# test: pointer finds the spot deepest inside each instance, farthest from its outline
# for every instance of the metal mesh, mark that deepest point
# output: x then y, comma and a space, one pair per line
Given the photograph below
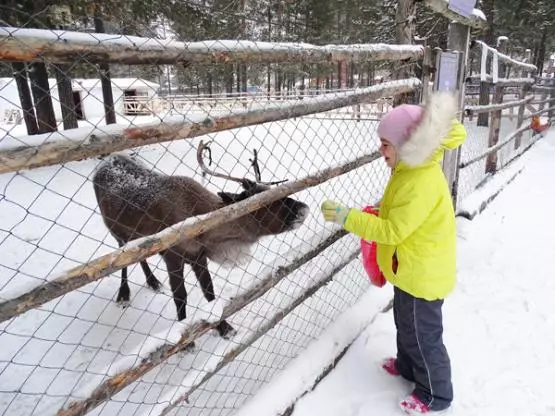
475, 175
50, 221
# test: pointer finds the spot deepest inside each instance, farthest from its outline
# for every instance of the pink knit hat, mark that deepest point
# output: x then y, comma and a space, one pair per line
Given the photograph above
398, 124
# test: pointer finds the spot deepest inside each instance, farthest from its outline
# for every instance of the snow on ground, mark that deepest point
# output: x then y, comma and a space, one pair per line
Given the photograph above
49, 222
499, 322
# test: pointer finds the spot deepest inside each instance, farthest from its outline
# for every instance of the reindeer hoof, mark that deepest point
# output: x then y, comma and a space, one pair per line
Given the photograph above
225, 330
157, 287
123, 297
181, 314
190, 348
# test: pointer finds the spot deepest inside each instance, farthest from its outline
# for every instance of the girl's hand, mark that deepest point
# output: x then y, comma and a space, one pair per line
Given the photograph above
334, 212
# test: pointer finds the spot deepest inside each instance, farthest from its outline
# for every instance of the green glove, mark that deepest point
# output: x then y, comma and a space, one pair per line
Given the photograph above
334, 212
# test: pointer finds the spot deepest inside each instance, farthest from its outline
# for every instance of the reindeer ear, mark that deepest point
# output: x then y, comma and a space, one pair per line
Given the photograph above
248, 184
227, 197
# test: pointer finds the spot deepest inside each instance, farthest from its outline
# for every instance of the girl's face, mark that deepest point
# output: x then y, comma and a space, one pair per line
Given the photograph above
389, 153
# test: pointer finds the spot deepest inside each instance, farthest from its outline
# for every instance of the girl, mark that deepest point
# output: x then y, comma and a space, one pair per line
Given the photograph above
416, 225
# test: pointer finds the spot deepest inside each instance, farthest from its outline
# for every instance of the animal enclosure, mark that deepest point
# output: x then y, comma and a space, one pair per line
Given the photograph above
69, 346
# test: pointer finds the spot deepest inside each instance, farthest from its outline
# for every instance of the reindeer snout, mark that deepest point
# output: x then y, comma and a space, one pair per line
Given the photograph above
301, 212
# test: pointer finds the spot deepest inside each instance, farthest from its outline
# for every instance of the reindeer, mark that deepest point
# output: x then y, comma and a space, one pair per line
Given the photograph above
135, 202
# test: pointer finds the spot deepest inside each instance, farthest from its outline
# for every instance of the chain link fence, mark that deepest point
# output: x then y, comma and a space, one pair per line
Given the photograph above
500, 117
93, 316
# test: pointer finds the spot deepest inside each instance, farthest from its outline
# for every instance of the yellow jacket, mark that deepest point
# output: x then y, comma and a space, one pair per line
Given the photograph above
416, 223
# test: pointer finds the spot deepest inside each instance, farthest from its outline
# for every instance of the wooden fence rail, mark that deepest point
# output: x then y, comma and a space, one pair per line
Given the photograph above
56, 46
63, 147
505, 82
501, 144
507, 60
272, 322
142, 248
477, 109
195, 330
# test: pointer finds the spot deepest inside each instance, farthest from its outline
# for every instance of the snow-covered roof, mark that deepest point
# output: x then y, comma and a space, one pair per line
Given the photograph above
120, 83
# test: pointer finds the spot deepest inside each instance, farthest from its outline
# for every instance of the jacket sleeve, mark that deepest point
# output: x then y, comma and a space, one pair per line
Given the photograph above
457, 135
412, 205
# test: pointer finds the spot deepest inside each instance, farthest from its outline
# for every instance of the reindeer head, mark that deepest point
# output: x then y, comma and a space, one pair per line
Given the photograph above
283, 215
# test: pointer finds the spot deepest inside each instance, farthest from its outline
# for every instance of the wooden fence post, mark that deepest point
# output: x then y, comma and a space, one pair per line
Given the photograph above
491, 163
552, 102
496, 116
524, 90
458, 40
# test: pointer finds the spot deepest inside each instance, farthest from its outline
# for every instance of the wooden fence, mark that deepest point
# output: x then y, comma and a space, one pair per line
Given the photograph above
24, 154
64, 147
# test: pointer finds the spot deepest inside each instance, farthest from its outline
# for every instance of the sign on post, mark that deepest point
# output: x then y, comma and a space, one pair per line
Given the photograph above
447, 76
462, 7
447, 71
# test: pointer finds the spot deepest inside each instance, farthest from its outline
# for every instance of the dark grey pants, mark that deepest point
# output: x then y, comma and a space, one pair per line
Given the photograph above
421, 355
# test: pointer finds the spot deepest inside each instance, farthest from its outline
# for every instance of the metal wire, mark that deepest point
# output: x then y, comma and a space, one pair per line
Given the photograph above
60, 352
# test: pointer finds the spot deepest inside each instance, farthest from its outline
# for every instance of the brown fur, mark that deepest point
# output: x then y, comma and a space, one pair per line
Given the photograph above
136, 202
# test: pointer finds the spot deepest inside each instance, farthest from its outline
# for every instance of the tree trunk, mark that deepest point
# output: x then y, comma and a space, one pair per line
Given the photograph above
41, 96
228, 76
209, 83
405, 18
65, 94
105, 77
269, 80
244, 78
488, 8
541, 53
20, 75
238, 72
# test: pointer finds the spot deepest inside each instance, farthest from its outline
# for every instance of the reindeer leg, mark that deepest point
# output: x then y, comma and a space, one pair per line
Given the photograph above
124, 292
174, 264
200, 267
151, 280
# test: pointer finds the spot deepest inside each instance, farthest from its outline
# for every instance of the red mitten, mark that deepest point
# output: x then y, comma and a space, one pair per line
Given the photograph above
369, 256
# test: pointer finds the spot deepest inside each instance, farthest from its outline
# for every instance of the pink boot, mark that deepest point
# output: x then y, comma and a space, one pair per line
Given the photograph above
412, 405
390, 366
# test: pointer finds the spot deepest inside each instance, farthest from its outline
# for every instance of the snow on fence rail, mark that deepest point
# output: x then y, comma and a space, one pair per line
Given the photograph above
476, 20
505, 58
477, 109
86, 142
57, 291
483, 154
30, 45
505, 82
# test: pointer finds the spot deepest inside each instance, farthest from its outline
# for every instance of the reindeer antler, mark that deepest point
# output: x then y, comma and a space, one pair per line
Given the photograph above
202, 147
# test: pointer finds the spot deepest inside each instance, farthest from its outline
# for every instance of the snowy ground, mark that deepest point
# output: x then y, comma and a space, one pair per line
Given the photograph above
499, 322
49, 222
